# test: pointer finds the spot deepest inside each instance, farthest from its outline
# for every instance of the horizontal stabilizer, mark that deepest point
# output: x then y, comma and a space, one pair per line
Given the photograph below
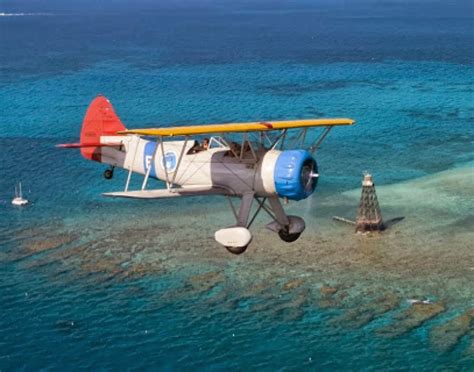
172, 193
84, 145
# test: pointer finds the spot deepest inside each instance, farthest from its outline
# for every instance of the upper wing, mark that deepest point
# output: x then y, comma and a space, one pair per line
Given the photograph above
237, 127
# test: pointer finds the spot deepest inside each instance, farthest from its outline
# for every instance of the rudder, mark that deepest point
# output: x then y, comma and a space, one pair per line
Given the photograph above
100, 120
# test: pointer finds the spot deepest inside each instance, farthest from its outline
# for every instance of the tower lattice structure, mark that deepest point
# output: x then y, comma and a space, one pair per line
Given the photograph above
369, 217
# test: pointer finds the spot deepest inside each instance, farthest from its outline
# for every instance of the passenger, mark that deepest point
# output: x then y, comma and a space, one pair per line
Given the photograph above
198, 147
194, 148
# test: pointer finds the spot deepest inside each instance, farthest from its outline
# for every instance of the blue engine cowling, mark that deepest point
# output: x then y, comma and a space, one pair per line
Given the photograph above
296, 174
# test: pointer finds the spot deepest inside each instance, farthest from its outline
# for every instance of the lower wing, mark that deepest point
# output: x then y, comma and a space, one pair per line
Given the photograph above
171, 193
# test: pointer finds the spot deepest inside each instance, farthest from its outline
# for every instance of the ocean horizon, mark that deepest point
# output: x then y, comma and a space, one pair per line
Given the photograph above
88, 282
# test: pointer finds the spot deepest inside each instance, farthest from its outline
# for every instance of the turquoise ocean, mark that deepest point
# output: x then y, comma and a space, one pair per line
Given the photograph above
100, 284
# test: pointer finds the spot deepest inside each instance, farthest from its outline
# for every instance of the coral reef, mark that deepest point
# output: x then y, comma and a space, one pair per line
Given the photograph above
46, 243
328, 291
352, 280
445, 336
361, 315
204, 282
411, 318
328, 299
292, 284
469, 352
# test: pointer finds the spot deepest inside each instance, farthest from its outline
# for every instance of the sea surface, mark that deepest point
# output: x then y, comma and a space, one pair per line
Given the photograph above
93, 283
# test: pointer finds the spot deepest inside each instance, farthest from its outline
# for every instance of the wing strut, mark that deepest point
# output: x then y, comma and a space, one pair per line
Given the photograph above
179, 160
281, 137
162, 146
319, 140
151, 165
130, 169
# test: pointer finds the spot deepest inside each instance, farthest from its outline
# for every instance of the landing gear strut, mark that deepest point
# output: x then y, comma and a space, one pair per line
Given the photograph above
109, 173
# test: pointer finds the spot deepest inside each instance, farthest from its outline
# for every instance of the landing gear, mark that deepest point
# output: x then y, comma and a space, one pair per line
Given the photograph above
234, 239
109, 173
291, 232
236, 250
288, 237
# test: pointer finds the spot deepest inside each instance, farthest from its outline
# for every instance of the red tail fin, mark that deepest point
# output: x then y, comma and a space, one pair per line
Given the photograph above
100, 120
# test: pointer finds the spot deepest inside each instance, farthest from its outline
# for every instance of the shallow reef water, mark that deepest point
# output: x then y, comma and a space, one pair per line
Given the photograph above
88, 282
148, 285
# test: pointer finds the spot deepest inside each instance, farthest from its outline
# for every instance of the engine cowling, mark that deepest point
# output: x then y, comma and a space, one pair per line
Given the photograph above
292, 174
295, 174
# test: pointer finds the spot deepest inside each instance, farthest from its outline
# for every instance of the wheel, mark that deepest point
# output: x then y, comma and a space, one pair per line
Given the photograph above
108, 174
287, 237
236, 250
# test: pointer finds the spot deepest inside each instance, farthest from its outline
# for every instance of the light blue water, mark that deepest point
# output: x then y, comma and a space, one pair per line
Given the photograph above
404, 72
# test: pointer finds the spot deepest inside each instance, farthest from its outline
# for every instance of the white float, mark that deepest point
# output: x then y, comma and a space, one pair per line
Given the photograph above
234, 238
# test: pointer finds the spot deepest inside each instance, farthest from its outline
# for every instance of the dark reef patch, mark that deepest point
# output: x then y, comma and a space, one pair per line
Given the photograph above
411, 318
363, 314
445, 336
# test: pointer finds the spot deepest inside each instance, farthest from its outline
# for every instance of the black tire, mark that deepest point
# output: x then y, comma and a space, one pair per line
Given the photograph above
287, 237
108, 174
236, 250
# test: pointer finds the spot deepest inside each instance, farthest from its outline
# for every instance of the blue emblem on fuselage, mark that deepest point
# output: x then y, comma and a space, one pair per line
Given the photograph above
168, 162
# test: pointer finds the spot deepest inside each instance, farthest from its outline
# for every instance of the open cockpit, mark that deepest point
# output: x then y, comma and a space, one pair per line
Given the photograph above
242, 150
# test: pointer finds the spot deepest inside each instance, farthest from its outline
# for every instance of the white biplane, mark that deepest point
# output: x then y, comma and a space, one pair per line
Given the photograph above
257, 168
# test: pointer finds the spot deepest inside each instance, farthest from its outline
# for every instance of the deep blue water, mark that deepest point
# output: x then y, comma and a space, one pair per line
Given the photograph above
403, 70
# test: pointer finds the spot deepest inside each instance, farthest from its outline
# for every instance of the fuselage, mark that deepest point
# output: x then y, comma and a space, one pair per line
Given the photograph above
264, 172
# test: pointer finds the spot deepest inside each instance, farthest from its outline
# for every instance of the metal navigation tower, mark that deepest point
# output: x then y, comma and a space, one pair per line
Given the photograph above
369, 217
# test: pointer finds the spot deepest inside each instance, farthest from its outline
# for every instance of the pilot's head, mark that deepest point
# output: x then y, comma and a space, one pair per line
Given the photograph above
205, 143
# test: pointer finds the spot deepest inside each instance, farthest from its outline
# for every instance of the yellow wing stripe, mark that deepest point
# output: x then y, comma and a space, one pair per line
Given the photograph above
237, 127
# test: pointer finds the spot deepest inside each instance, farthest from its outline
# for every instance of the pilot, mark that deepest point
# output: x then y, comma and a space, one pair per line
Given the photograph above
234, 150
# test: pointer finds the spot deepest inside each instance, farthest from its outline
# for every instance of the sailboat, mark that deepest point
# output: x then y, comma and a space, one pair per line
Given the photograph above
18, 200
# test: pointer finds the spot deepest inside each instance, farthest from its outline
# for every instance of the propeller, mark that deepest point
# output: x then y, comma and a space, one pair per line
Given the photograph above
309, 176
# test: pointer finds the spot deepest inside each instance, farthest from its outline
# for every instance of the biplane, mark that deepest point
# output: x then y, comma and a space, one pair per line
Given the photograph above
268, 162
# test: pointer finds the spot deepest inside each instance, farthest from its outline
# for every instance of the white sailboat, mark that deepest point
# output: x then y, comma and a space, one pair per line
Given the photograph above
18, 200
